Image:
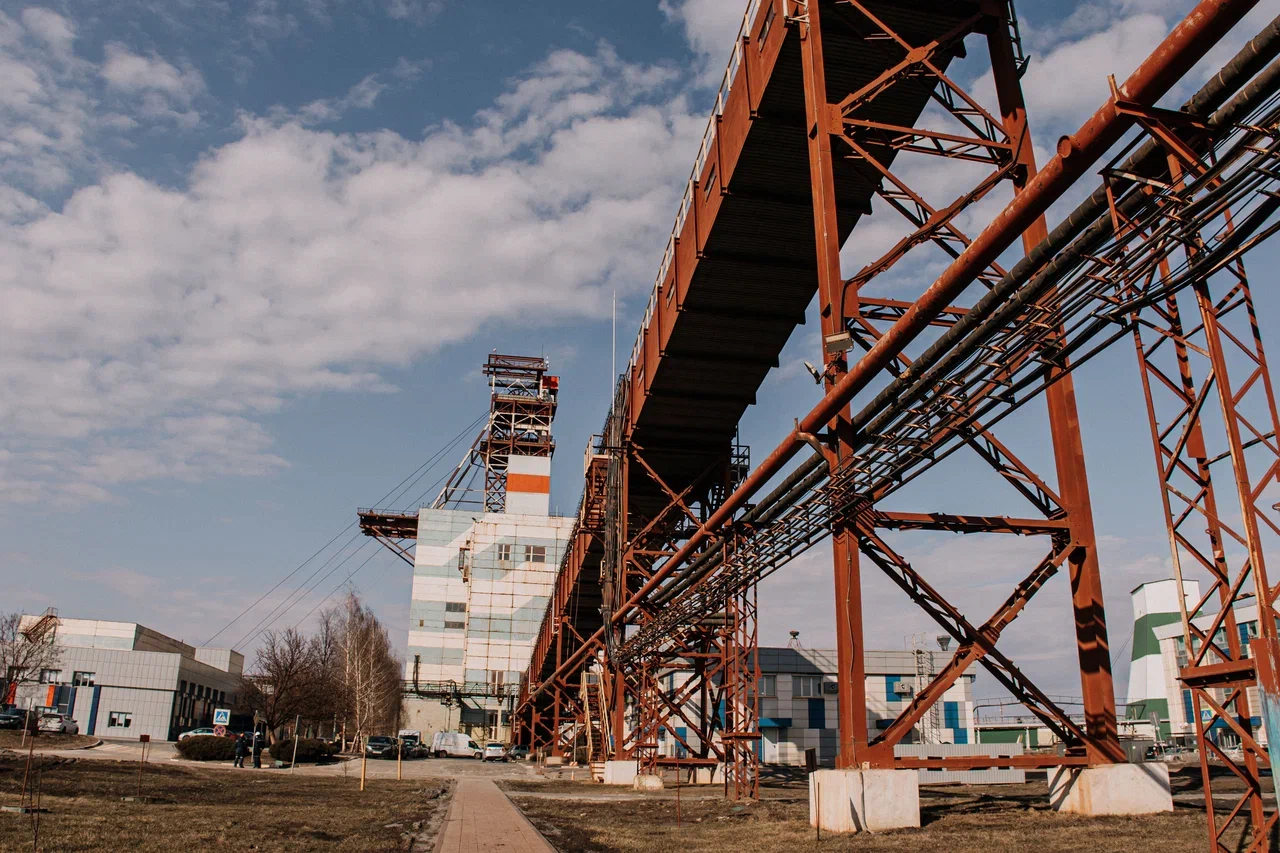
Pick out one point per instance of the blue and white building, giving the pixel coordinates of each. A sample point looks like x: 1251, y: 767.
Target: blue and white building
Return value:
x: 799, y: 709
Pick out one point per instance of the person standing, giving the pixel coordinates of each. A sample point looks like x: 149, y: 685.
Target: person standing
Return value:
x: 241, y: 749
x: 257, y: 750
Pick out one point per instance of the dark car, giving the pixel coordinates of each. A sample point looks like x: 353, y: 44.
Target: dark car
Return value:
x: 380, y: 746
x: 12, y: 719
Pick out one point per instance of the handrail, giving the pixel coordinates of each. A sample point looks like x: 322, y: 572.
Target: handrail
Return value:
x: 704, y: 151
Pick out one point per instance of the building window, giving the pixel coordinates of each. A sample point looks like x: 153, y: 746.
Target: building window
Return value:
x: 455, y: 607
x: 504, y: 552
x: 454, y: 626
x: 422, y: 623
x: 535, y: 553
x: 804, y: 686
x: 768, y: 685
x: 82, y: 679
x: 119, y: 719
x: 50, y: 676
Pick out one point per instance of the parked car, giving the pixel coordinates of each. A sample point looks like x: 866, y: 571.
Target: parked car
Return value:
x: 380, y: 746
x: 13, y: 719
x: 494, y: 751
x: 59, y: 723
x: 202, y: 732
x: 456, y: 745
x: 519, y: 752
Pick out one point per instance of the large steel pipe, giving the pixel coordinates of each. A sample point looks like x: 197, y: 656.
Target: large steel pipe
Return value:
x: 1189, y: 41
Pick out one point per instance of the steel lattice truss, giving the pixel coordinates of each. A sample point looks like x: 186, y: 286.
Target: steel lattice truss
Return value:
x: 675, y: 573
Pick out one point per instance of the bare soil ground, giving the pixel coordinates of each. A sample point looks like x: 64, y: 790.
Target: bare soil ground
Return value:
x: 205, y: 808
x: 954, y: 818
x: 45, y: 740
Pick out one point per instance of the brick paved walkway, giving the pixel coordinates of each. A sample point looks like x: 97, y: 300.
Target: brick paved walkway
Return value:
x: 481, y: 819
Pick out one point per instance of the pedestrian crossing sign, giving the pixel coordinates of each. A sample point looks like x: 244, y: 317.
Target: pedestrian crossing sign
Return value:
x: 222, y: 717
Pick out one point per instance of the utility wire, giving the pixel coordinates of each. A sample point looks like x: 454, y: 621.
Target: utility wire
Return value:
x: 341, y: 584
x: 429, y: 490
x: 400, y: 488
x: 284, y: 606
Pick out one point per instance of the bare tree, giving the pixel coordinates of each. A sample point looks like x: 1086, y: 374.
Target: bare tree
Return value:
x: 367, y: 669
x: 25, y: 653
x: 282, y: 683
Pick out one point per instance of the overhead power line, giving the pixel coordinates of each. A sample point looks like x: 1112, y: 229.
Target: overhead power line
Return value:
x: 398, y: 490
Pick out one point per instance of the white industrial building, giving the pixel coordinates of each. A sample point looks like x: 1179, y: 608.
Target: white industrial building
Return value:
x: 121, y: 679
x: 481, y: 583
x: 1159, y: 652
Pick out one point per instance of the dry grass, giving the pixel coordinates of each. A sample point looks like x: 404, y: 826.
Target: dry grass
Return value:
x: 45, y: 740
x: 205, y: 808
x: 958, y: 819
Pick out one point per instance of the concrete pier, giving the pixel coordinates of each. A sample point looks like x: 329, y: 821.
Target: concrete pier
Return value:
x: 1113, y: 789
x: 621, y: 772
x: 864, y: 800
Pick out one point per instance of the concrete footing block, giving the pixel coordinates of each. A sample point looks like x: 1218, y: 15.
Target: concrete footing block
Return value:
x: 1112, y: 789
x: 553, y: 761
x: 621, y: 772
x: 864, y: 800
x: 645, y: 782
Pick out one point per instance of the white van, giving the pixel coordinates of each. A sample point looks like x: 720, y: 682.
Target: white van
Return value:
x: 456, y: 745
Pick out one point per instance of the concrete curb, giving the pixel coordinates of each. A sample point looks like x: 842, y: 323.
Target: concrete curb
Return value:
x: 444, y: 810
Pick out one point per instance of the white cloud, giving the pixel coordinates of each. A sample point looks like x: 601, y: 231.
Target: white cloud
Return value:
x: 415, y: 11
x: 361, y: 96
x: 164, y: 90
x: 45, y: 114
x: 709, y: 27
x: 51, y: 28
x: 147, y: 328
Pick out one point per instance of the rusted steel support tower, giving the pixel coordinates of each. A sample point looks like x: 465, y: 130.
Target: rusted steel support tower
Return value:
x: 842, y: 130
x: 522, y: 404
x: 822, y: 105
x: 1214, y: 429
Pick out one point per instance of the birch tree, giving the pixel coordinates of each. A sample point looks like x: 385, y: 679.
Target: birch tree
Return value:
x: 367, y: 668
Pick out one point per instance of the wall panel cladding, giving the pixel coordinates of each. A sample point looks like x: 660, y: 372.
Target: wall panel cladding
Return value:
x: 510, y: 562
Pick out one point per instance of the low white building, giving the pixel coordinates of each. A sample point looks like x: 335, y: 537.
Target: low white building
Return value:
x: 121, y: 679
x: 799, y: 709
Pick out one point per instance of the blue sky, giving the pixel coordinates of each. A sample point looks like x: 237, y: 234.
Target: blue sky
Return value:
x: 253, y: 254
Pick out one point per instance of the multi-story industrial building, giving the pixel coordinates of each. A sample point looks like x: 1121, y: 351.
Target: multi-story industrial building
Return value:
x: 485, y: 560
x: 121, y: 679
